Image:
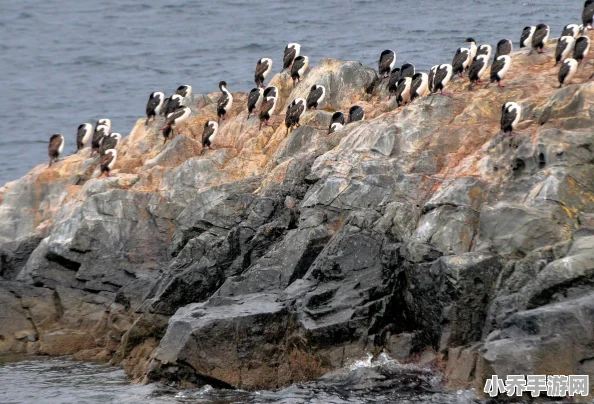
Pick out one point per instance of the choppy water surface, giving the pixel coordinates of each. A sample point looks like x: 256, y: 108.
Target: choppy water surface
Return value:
x: 66, y: 62
x: 59, y: 380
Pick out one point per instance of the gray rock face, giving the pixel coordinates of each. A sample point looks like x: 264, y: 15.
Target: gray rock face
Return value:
x: 277, y: 257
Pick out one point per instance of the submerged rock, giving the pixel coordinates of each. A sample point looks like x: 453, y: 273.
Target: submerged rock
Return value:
x: 277, y: 257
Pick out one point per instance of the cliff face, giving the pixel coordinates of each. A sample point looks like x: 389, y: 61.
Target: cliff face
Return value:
x: 275, y: 258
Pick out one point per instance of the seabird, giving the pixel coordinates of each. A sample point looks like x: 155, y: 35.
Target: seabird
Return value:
x: 510, y: 116
x: 572, y: 30
x: 356, y: 113
x: 432, y: 72
x: 527, y: 35
x: 393, y: 82
x: 173, y: 120
x: 268, y: 105
x: 184, y: 91
x: 291, y: 52
x: 55, y: 147
x: 403, y: 91
x: 504, y: 47
x: 172, y: 103
x: 108, y: 160
x: 407, y: 70
x: 441, y: 78
x: 102, y: 129
x: 254, y: 101
x: 225, y: 101
x: 386, y: 62
x: 485, y: 50
x: 588, y: 14
x: 581, y: 49
x: 419, y: 85
x: 83, y: 135
x: 154, y: 105
x: 540, y: 38
x: 478, y: 67
x: 461, y: 61
x: 294, y: 112
x: 317, y: 93
x: 211, y: 128
x: 567, y: 71
x: 299, y: 66
x: 110, y: 141
x: 263, y: 68
x: 336, y: 123
x: 499, y: 68
x: 564, y: 47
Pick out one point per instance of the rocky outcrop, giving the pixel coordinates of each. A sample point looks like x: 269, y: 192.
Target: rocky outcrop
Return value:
x: 277, y: 257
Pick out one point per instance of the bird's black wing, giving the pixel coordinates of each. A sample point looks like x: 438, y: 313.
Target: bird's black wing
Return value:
x: 563, y: 72
x: 385, y: 61
x: 288, y: 56
x: 54, y: 143
x: 253, y: 98
x: 475, y: 68
x: 561, y: 45
x: 208, y: 130
x: 261, y: 68
x: 223, y: 100
x: 496, y: 67
x: 525, y: 35
x: 314, y: 96
x: 504, y: 47
x: 581, y: 45
x: 337, y: 117
x: 172, y: 105
x: 267, y: 105
x: 176, y: 114
x: 298, y: 64
x: 400, y: 87
x: 182, y: 90
x: 80, y: 134
x: 539, y: 35
x: 459, y: 58
x: 105, y: 160
x: 407, y: 70
x: 417, y: 80
x: 151, y: 105
x: 440, y: 74
x: 588, y: 14
x: 507, y: 118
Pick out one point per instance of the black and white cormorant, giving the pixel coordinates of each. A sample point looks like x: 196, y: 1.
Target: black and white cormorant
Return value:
x: 171, y: 104
x: 477, y: 68
x: 386, y: 63
x: 154, y: 105
x: 403, y: 91
x: 567, y: 70
x: 527, y: 35
x: 173, y: 120
x: 441, y: 77
x: 407, y: 70
x: 336, y: 122
x: 486, y: 50
x: 356, y: 113
x: 581, y: 48
x: 461, y: 61
x: 225, y: 101
x: 540, y: 38
x: 292, y: 51
x: 564, y: 48
x: 510, y: 116
x: 268, y: 105
x: 263, y: 69
x: 504, y: 47
x: 211, y: 128
x: 83, y: 135
x: 316, y: 95
x: 393, y: 82
x: 499, y: 69
x: 55, y: 148
x: 102, y: 129
x: 419, y: 86
x: 294, y: 111
x: 108, y: 160
x: 299, y: 66
x: 254, y: 100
